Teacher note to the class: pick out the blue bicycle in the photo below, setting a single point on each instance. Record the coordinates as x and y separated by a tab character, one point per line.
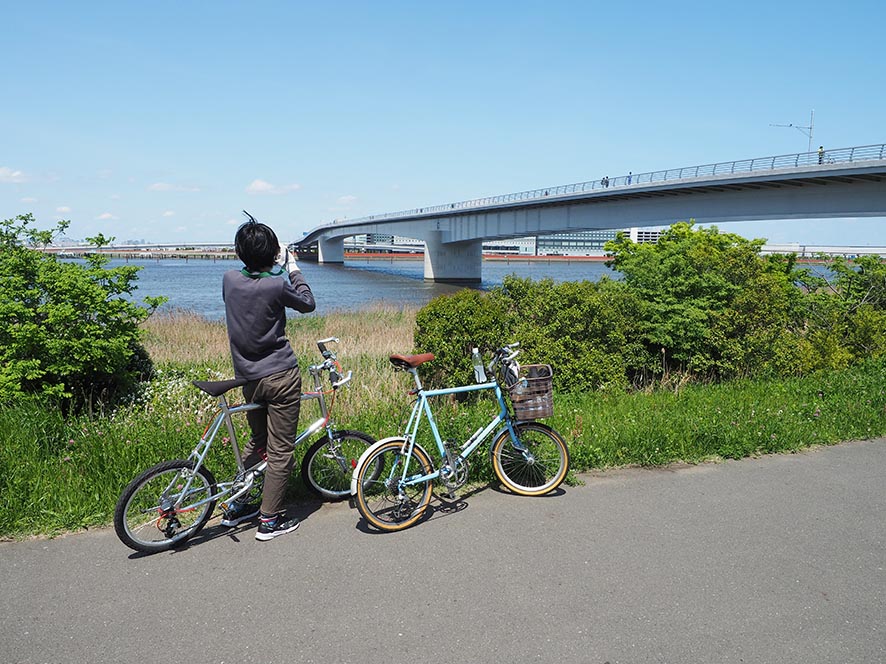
392	481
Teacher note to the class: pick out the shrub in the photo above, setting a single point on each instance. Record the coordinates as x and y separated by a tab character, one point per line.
700	304
449	326
587	331
66	329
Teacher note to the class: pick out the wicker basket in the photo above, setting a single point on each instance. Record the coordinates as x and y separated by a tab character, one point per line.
533	394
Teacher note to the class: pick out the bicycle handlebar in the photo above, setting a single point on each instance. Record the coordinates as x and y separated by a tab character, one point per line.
505	354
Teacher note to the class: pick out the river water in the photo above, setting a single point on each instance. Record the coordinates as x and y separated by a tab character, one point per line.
195	284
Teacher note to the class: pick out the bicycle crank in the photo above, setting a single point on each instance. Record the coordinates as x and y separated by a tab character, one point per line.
454	478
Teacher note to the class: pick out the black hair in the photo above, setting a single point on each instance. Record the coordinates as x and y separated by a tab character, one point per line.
256	245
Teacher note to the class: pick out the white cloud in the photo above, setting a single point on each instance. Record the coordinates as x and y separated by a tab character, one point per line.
28	199
169	213
181	229
63	209
165	186
343	203
106	216
260	187
10	176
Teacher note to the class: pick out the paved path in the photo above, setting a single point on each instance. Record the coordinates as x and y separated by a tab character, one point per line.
779	559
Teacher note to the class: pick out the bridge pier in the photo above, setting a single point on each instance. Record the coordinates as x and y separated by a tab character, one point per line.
331	250
454	262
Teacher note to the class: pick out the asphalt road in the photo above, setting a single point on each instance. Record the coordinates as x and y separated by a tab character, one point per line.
778	559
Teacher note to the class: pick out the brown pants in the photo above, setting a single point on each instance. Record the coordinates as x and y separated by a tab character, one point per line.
274	428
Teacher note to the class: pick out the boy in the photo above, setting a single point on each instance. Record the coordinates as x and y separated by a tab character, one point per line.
255	312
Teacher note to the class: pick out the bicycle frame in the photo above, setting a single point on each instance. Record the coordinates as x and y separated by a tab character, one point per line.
245	478
422	409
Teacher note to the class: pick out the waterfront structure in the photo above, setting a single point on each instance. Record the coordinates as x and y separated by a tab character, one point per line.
849	182
580	243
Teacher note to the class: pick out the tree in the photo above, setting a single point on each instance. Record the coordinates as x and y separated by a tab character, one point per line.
715	306
66	329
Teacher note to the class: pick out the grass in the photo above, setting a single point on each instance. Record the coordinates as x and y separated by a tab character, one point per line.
60	474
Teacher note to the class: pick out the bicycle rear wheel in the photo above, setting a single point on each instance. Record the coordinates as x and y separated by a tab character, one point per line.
153	514
327	466
380	498
539	470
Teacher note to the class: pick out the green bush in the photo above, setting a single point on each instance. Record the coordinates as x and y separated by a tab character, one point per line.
698	305
66	329
449	326
587	331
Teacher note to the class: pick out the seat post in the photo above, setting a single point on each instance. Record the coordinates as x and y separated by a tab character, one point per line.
414	372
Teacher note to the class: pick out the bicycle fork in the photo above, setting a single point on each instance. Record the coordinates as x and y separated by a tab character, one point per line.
518	445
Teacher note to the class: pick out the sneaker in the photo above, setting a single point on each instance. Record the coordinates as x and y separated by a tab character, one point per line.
238	512
271	527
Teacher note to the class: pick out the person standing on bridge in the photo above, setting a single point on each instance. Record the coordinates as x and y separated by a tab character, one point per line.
820	154
255	313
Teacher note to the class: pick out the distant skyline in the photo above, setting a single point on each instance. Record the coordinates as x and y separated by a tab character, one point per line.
163	121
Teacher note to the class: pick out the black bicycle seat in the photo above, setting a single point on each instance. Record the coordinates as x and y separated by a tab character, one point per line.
216	388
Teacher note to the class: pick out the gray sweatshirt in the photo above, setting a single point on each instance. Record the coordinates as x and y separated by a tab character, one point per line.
255	311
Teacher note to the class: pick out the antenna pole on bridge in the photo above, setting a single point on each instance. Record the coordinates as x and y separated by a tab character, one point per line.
806	131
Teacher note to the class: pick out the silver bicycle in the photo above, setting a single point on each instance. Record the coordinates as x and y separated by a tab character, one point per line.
168	504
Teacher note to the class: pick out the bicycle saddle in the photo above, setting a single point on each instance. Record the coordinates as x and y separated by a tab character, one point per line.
216	388
405	362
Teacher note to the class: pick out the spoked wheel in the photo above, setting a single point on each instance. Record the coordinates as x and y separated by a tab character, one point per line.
539	469
380	498
327	467
154	514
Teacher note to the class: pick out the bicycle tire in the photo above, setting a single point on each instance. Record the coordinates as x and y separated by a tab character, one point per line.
378	500
326	470
138	516
549	464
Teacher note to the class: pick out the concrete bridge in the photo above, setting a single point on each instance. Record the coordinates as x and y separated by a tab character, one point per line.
847	182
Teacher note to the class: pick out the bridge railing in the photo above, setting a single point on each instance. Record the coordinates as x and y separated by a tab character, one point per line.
800	159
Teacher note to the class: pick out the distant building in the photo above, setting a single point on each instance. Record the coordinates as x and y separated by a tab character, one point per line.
591	243
646	235
579	243
379	238
524	246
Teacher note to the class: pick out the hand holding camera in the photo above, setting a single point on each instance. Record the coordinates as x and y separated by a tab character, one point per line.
286	260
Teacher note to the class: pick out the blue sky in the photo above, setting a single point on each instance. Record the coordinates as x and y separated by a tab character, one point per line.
162	121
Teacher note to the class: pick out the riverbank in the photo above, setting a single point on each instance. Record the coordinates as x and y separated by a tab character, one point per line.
152	254
65	473
506	258
196	254
225	255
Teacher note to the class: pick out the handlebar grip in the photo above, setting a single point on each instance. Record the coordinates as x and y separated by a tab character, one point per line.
321	344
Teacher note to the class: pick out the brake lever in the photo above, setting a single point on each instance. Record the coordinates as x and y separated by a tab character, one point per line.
343	381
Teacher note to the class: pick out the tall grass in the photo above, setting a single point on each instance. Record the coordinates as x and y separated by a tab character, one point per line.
59	473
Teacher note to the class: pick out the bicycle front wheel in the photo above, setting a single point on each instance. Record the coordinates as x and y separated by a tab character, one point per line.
154	513
381	498
539	469
328	465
